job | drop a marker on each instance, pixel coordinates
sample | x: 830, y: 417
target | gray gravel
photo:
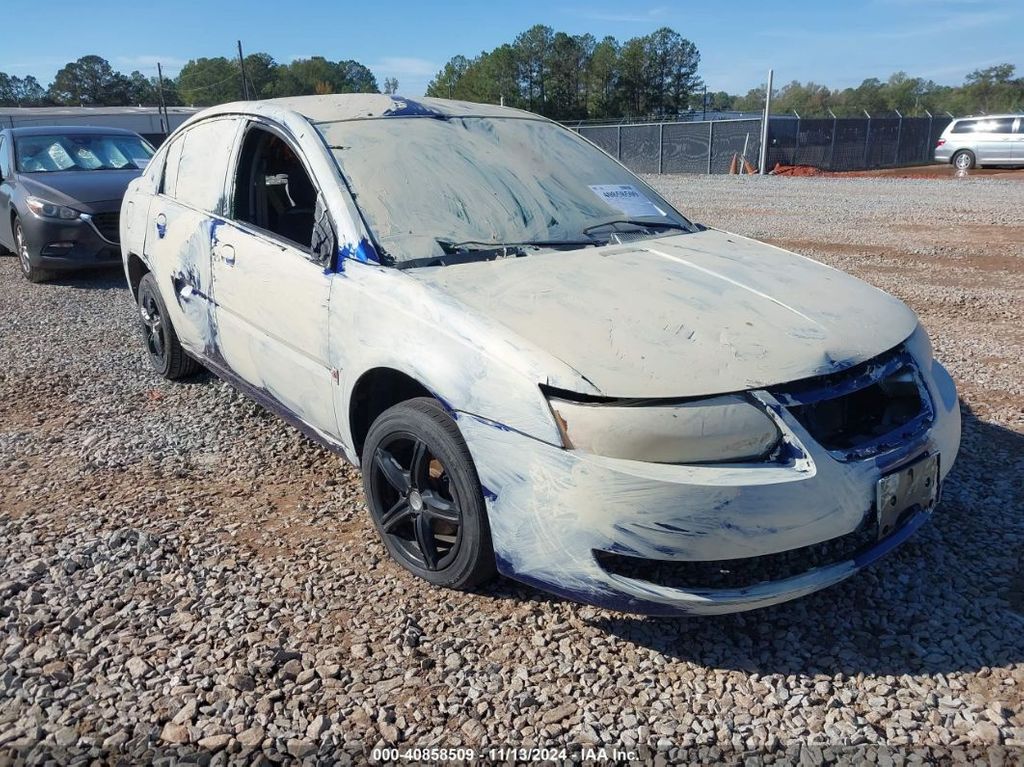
x: 185, y: 575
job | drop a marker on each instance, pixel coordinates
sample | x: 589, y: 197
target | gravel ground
x: 184, y: 575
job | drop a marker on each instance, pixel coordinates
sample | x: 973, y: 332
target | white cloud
x: 951, y: 23
x: 408, y: 66
x: 640, y: 17
x: 146, y: 62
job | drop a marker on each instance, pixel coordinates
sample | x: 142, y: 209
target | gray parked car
x: 60, y: 195
x: 988, y: 140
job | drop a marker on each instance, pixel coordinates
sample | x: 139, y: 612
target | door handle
x: 227, y: 254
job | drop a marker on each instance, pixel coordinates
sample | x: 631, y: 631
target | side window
x: 203, y: 164
x: 169, y: 183
x: 965, y: 126
x: 997, y: 125
x: 272, y: 190
x: 1020, y: 125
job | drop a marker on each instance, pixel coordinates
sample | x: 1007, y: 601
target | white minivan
x: 542, y: 368
x: 988, y: 140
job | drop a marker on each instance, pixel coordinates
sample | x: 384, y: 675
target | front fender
x: 382, y: 317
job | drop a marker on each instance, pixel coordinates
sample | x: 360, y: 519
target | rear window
x: 990, y: 125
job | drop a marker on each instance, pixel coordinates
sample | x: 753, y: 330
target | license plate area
x: 913, y: 485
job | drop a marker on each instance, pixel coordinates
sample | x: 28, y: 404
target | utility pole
x: 241, y: 65
x: 165, y: 121
x: 763, y: 160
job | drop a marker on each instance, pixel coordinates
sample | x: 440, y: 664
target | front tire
x: 964, y: 160
x: 30, y: 272
x: 165, y: 352
x: 425, y: 497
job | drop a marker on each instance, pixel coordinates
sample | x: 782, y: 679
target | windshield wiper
x: 477, y: 245
x: 640, y: 223
x: 468, y: 251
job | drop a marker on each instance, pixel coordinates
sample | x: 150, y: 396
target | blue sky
x: 828, y: 41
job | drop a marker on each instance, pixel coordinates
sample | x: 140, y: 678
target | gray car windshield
x: 86, y: 151
x: 432, y: 187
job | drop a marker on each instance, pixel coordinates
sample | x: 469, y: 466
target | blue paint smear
x: 446, y: 405
x: 161, y: 230
x: 411, y: 108
x: 215, y: 224
x: 490, y: 495
x: 363, y: 252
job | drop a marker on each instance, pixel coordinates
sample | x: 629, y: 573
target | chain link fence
x: 841, y: 143
x: 678, y: 147
x: 853, y: 143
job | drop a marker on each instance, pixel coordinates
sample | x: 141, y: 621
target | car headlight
x: 721, y: 429
x: 51, y: 209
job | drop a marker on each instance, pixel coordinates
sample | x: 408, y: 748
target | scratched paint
x: 682, y: 316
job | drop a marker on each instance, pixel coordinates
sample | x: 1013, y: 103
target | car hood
x: 687, y: 315
x: 77, y: 187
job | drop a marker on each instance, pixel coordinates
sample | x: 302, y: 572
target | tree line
x: 92, y: 81
x: 575, y: 77
x: 990, y: 90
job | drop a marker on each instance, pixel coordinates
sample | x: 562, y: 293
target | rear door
x: 995, y: 139
x: 183, y: 216
x: 1018, y: 142
x: 271, y: 296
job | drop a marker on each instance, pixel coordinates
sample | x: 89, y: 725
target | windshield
x: 429, y: 187
x: 84, y: 151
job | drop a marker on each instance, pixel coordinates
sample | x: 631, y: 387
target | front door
x: 6, y: 190
x: 271, y: 297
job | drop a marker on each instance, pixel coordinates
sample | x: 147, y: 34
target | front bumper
x: 550, y: 510
x: 56, y: 244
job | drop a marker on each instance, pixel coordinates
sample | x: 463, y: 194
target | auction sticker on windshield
x: 627, y: 198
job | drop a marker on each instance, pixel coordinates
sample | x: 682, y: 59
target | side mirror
x: 324, y: 243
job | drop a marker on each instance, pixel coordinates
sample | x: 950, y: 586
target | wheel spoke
x: 441, y: 508
x: 419, y: 465
x: 392, y: 470
x: 395, y: 515
x: 425, y: 541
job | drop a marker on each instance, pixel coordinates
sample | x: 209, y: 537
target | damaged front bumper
x: 565, y: 521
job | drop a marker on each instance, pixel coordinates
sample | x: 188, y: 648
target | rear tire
x: 165, y: 351
x: 28, y: 271
x: 425, y: 497
x: 964, y: 160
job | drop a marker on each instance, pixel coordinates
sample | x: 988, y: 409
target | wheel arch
x: 375, y: 391
x: 136, y: 269
x: 964, y: 150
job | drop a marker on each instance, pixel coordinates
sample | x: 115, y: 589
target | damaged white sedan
x: 542, y: 368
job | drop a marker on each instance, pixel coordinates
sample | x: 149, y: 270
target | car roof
x: 339, y: 107
x: 990, y: 117
x: 46, y: 130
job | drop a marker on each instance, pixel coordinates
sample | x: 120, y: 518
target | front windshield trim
x: 438, y: 117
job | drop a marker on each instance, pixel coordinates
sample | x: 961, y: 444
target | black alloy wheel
x: 31, y: 273
x: 424, y: 495
x: 165, y: 351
